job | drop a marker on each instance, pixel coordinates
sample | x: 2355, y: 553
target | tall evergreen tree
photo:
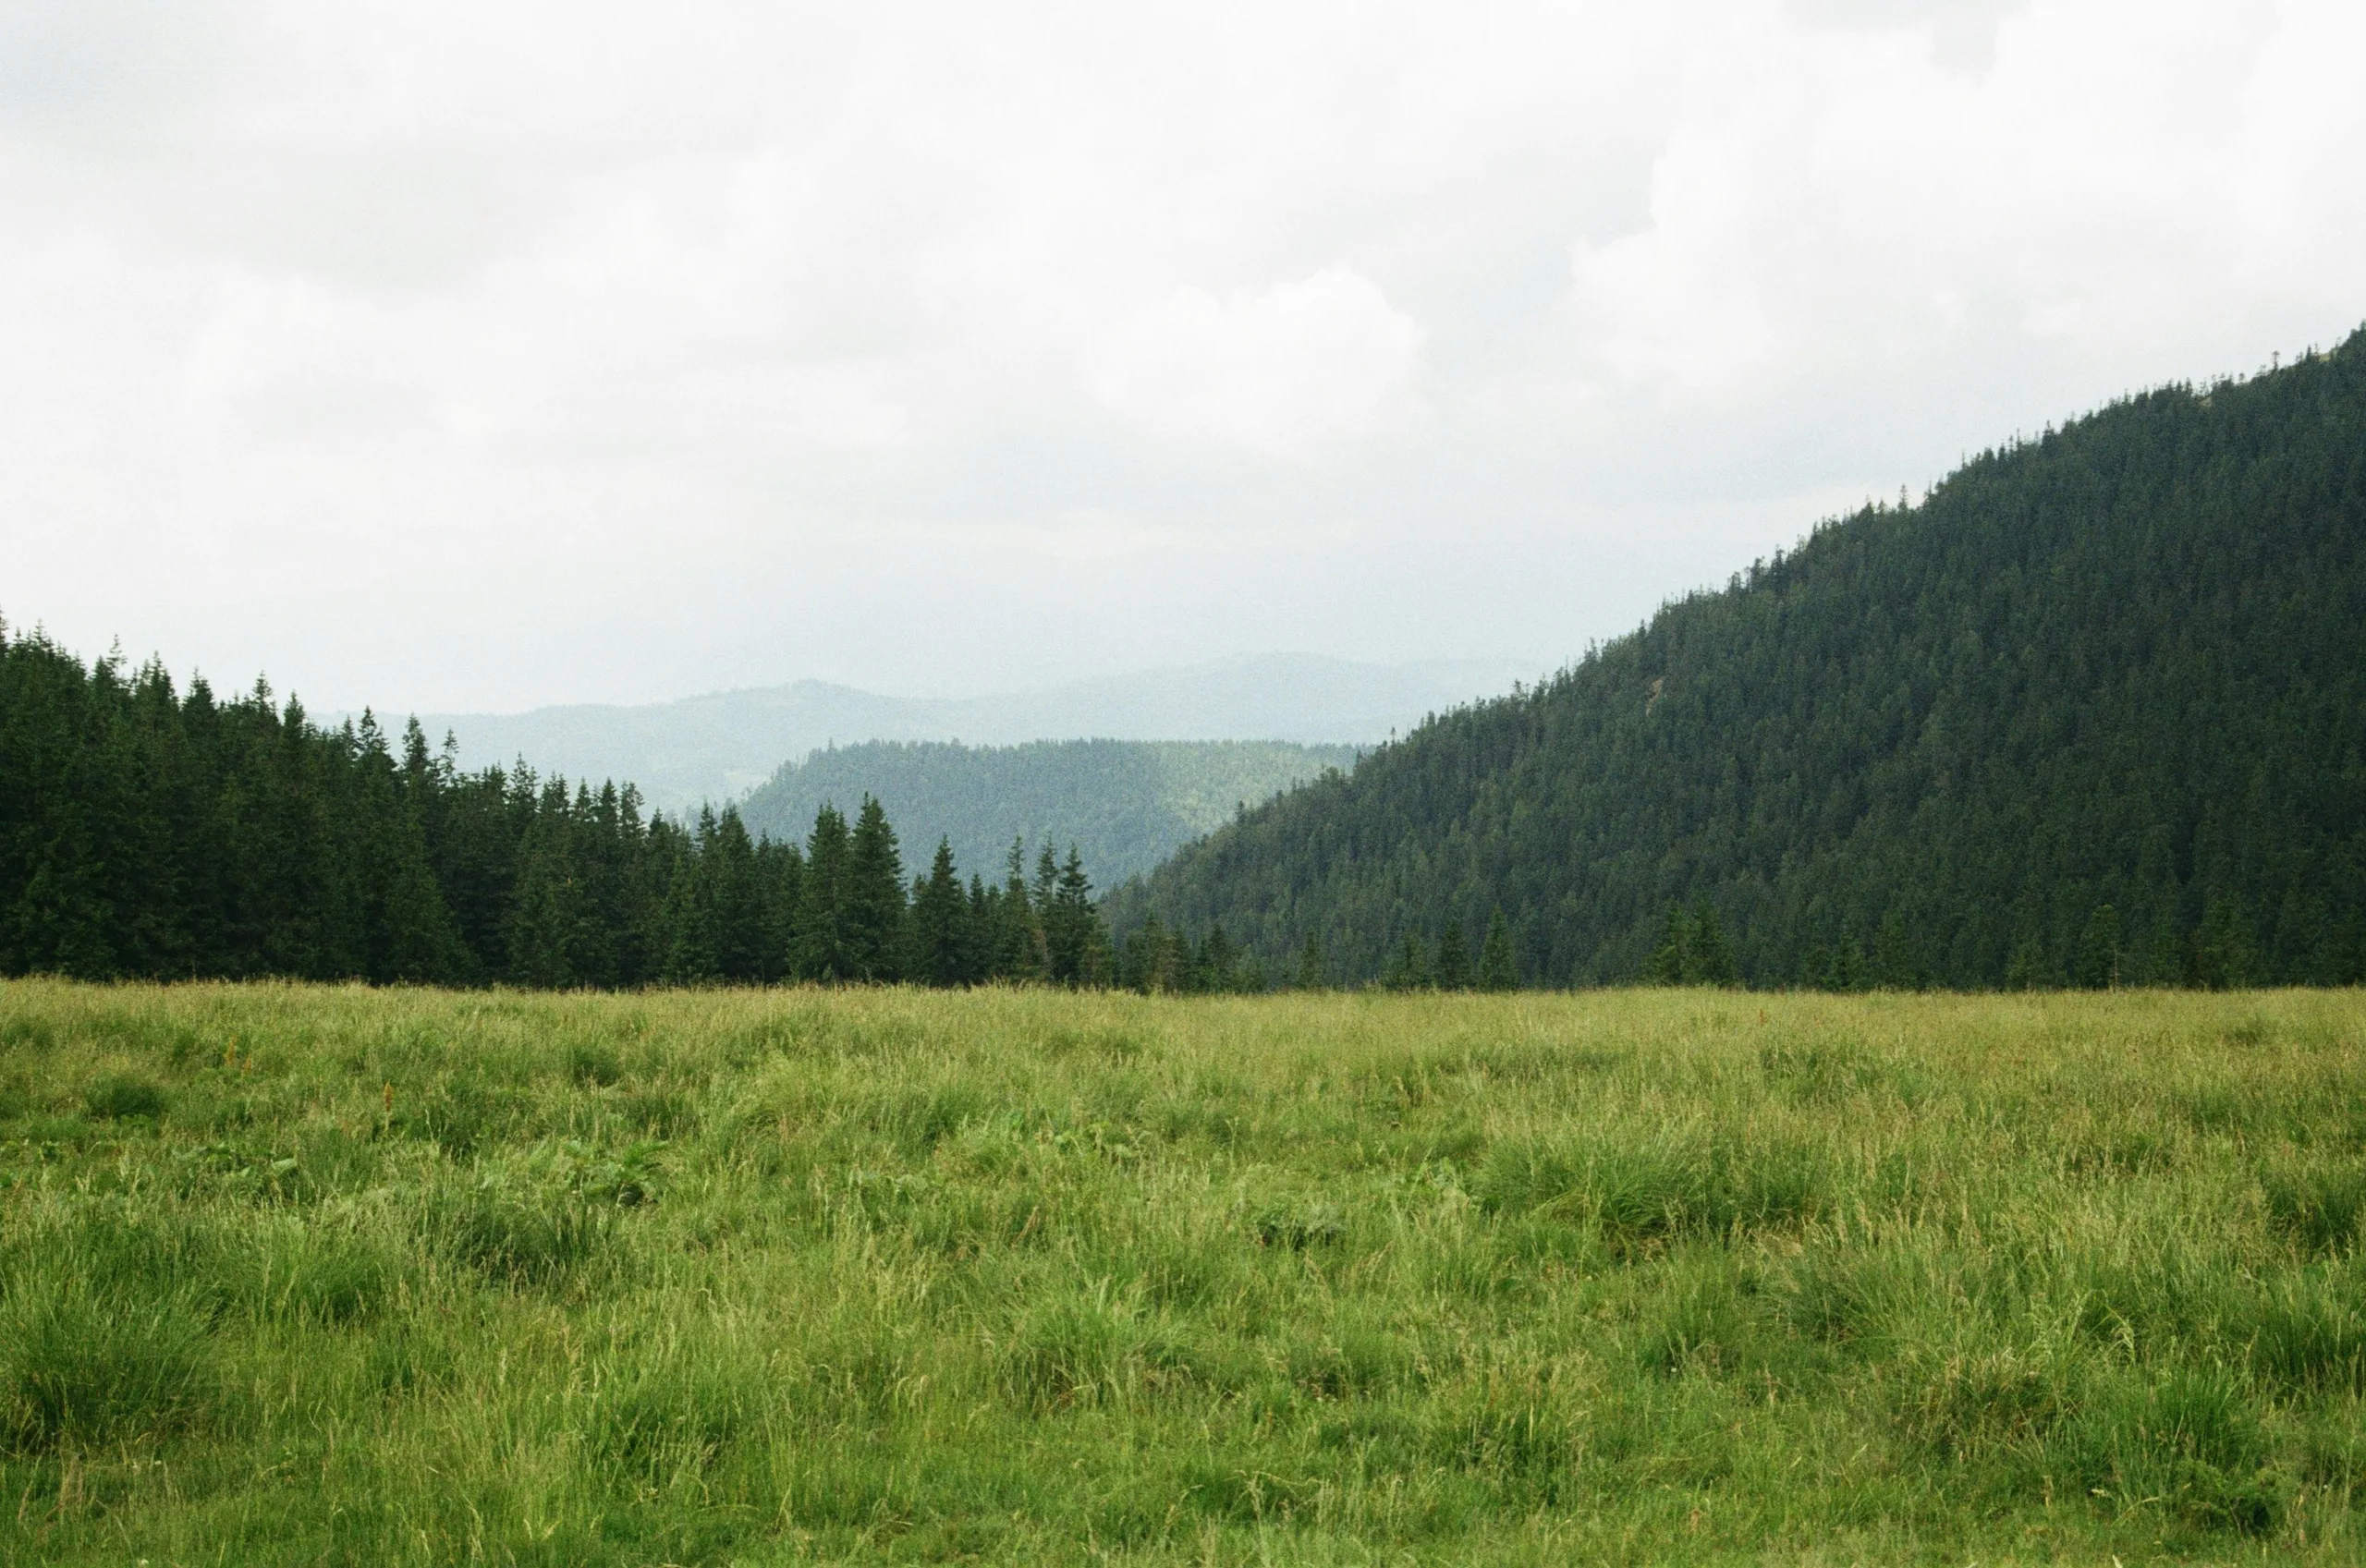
x: 1309, y: 964
x: 1074, y: 943
x: 2098, y: 962
x: 1021, y: 953
x: 1498, y: 970
x: 1452, y: 968
x: 1410, y: 969
x: 940, y: 924
x: 824, y: 951
x: 873, y: 904
x: 733, y: 891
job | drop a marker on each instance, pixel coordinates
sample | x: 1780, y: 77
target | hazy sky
x: 474, y: 355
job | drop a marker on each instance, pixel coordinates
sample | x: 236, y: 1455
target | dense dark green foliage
x: 1126, y: 804
x: 144, y: 832
x: 2094, y: 711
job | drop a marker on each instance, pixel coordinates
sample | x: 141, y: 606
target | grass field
x: 303, y: 1275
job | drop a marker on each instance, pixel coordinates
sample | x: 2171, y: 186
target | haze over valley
x: 717, y: 748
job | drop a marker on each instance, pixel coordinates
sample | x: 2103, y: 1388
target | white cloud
x: 443, y: 354
x: 1278, y: 370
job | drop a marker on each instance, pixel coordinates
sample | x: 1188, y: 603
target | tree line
x: 145, y: 831
x: 2093, y: 711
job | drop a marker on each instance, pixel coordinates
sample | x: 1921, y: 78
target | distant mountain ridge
x: 2093, y: 712
x: 1124, y: 805
x: 717, y: 747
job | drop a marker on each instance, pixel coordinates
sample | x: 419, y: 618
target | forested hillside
x: 148, y: 832
x: 717, y: 747
x: 1126, y: 804
x: 2093, y: 712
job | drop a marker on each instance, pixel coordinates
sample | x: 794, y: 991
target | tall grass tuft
x: 81, y: 1368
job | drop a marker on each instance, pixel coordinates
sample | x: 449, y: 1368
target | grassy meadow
x: 295, y: 1274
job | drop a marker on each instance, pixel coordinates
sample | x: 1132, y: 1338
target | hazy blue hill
x: 1125, y: 804
x: 717, y: 747
x: 2094, y: 711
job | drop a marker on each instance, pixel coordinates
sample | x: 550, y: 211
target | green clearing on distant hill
x: 1125, y: 804
x: 296, y: 1274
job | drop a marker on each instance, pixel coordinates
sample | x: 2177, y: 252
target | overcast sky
x: 466, y: 356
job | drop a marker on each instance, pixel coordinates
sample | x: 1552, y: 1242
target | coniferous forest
x: 146, y: 832
x: 2092, y: 712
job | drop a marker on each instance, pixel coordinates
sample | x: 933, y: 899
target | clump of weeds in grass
x: 116, y: 1097
x: 2321, y: 1209
x: 82, y: 1367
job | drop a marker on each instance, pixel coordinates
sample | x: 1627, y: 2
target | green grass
x: 330, y: 1275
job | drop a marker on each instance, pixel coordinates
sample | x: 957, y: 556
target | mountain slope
x: 1125, y: 804
x: 2121, y: 665
x: 714, y: 748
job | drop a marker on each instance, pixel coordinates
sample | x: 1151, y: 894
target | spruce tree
x: 1133, y: 953
x: 2097, y: 966
x: 1452, y: 966
x: 692, y: 943
x: 977, y: 934
x: 1215, y: 965
x: 1712, y: 957
x: 1891, y: 963
x: 1672, y: 961
x: 1075, y: 944
x: 822, y: 947
x: 940, y: 918
x: 873, y: 911
x: 1408, y: 970
x: 1498, y: 970
x: 2222, y: 947
x: 734, y: 897
x: 1848, y: 966
x: 1309, y: 963
x: 1019, y: 951
x: 780, y: 869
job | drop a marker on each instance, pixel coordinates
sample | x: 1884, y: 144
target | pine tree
x: 1713, y: 959
x: 1020, y: 954
x: 977, y: 934
x: 822, y: 947
x: 1672, y: 963
x: 1498, y: 970
x: 548, y: 906
x: 1452, y: 968
x: 1309, y: 963
x: 1215, y: 966
x: 780, y: 869
x: 735, y: 899
x: 1849, y: 969
x: 2222, y: 947
x: 873, y: 911
x: 940, y: 922
x: 1074, y: 945
x: 2097, y: 968
x: 2025, y: 972
x: 1892, y: 966
x: 1153, y: 960
x: 1408, y: 970
x: 692, y: 943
